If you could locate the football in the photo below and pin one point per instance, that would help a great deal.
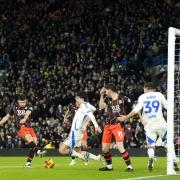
(49, 163)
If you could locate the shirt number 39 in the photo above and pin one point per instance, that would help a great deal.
(151, 106)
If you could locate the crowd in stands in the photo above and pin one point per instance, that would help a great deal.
(57, 48)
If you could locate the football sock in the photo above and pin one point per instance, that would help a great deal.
(126, 158)
(33, 150)
(150, 152)
(76, 154)
(73, 157)
(90, 156)
(108, 159)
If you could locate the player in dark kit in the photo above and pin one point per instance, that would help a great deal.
(116, 105)
(22, 111)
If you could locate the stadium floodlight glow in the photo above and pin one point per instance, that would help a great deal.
(173, 117)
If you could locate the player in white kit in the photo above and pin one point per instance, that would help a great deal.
(72, 144)
(151, 104)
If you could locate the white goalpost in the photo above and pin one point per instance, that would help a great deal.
(173, 97)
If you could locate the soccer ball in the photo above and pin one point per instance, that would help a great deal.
(49, 163)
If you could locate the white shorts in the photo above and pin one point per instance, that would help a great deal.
(73, 140)
(155, 129)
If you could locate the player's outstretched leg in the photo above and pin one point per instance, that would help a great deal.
(88, 155)
(65, 149)
(41, 153)
(77, 154)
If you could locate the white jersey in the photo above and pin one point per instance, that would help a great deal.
(85, 110)
(79, 123)
(151, 104)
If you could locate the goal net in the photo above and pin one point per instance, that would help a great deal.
(173, 96)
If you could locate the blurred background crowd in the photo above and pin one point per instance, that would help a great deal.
(53, 48)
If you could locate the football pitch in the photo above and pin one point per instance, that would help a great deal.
(11, 168)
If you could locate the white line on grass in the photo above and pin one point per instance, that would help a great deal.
(147, 177)
(14, 167)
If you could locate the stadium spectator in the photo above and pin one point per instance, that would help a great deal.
(55, 50)
(129, 135)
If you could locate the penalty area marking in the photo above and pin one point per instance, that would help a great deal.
(148, 177)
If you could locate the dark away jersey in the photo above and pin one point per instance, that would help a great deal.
(19, 113)
(121, 106)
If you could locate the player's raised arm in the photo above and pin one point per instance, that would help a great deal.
(5, 119)
(102, 103)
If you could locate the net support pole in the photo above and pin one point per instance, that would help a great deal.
(170, 99)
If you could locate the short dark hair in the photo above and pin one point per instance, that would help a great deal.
(82, 95)
(149, 85)
(21, 97)
(111, 86)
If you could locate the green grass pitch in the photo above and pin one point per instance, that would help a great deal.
(11, 168)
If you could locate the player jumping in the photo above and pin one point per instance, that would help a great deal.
(22, 111)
